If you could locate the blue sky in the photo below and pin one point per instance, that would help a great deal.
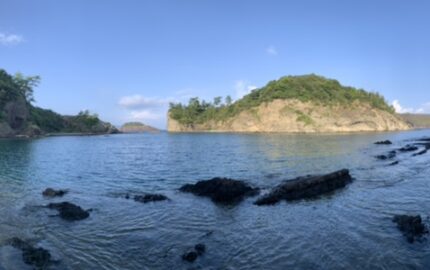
(125, 60)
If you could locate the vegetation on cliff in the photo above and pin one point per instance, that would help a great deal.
(307, 88)
(19, 117)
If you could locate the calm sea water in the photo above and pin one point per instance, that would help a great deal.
(350, 229)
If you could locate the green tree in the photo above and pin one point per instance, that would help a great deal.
(228, 100)
(217, 101)
(25, 85)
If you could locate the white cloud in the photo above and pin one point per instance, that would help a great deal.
(271, 50)
(140, 102)
(144, 115)
(10, 39)
(424, 108)
(243, 88)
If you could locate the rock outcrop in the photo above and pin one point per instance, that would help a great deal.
(412, 227)
(306, 187)
(69, 211)
(221, 190)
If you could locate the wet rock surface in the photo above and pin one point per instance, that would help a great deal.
(150, 198)
(384, 142)
(50, 192)
(221, 190)
(39, 258)
(422, 152)
(394, 163)
(69, 211)
(192, 255)
(412, 227)
(306, 187)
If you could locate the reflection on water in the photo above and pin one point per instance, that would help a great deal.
(350, 229)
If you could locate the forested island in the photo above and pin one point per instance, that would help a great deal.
(137, 127)
(20, 118)
(307, 103)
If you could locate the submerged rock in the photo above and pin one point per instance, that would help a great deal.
(150, 198)
(50, 192)
(384, 142)
(221, 190)
(393, 163)
(69, 211)
(411, 226)
(306, 187)
(422, 152)
(191, 256)
(408, 148)
(390, 155)
(37, 257)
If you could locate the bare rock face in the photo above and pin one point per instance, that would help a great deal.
(306, 187)
(221, 190)
(16, 114)
(293, 116)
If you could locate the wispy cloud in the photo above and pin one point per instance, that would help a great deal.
(424, 108)
(271, 50)
(10, 39)
(142, 108)
(243, 88)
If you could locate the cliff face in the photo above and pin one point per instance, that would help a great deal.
(290, 115)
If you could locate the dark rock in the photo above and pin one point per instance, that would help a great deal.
(408, 148)
(150, 198)
(50, 192)
(190, 256)
(384, 142)
(37, 257)
(127, 196)
(69, 211)
(411, 226)
(200, 248)
(221, 190)
(306, 187)
(422, 152)
(390, 155)
(393, 163)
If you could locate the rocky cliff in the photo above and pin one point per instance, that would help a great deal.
(307, 104)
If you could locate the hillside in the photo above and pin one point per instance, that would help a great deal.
(308, 103)
(18, 117)
(137, 127)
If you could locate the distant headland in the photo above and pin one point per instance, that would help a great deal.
(307, 103)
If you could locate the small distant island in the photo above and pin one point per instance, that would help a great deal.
(20, 118)
(137, 127)
(308, 103)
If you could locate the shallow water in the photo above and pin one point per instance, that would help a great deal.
(349, 229)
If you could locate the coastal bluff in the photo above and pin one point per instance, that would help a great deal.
(296, 104)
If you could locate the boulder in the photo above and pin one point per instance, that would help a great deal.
(40, 258)
(150, 198)
(306, 187)
(411, 226)
(50, 192)
(384, 142)
(69, 211)
(221, 190)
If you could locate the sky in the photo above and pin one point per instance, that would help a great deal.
(126, 60)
